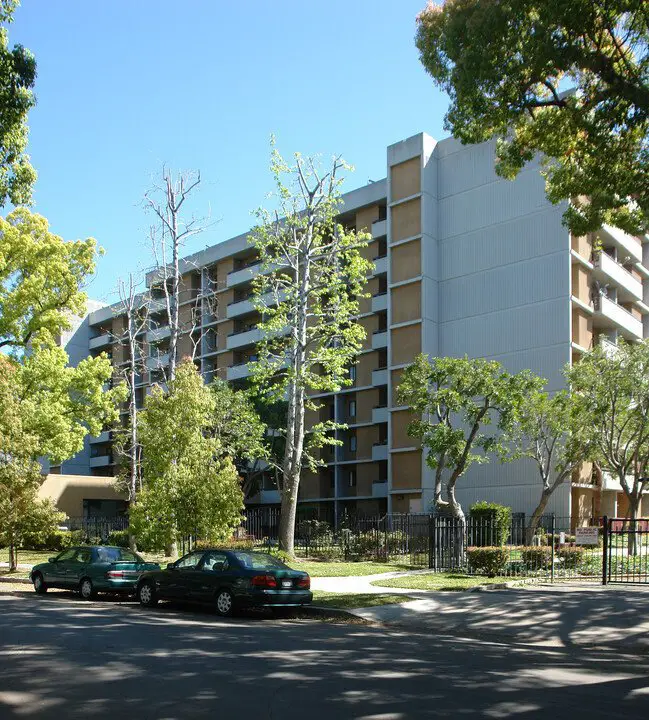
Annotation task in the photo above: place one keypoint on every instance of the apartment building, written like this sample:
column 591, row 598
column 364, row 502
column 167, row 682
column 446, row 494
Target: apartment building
column 464, row 263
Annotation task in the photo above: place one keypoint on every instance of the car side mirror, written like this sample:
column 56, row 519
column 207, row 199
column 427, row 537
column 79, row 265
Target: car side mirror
column 171, row 566
column 52, row 559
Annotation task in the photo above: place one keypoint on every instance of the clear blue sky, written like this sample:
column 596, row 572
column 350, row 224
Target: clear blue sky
column 124, row 86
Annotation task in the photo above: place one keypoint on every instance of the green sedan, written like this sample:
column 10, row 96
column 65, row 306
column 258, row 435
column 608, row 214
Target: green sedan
column 91, row 569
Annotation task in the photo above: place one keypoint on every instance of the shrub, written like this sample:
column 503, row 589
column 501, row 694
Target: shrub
column 333, row 552
column 487, row 560
column 118, row 538
column 232, row 544
column 314, row 529
column 490, row 523
column 572, row 556
column 536, row 557
column 56, row 541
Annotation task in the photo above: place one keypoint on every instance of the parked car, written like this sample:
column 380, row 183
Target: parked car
column 91, row 569
column 228, row 580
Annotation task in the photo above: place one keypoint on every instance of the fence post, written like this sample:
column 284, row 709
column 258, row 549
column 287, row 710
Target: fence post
column 552, row 551
column 431, row 541
column 605, row 551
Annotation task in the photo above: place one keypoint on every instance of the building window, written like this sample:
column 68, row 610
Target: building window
column 352, row 443
column 352, row 408
column 352, row 373
column 352, row 478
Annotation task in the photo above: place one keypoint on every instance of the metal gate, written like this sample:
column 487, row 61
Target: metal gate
column 625, row 552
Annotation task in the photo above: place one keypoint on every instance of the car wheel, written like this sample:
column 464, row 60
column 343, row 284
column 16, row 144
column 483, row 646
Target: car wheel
column 146, row 594
column 224, row 603
column 86, row 590
column 39, row 584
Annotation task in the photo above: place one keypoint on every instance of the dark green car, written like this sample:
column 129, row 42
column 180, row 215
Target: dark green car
column 227, row 580
column 91, row 569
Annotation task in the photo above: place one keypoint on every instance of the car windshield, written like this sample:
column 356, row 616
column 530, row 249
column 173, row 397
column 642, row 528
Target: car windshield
column 258, row 561
column 114, row 554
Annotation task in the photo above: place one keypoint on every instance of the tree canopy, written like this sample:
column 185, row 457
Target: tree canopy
column 567, row 78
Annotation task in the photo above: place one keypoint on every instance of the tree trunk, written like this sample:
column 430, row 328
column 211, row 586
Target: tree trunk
column 459, row 526
column 171, row 550
column 530, row 531
column 634, row 514
column 13, row 557
column 287, row 515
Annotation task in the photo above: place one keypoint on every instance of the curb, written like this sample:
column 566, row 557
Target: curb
column 14, row 581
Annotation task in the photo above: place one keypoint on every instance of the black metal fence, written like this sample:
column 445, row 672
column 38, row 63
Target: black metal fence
column 626, row 551
column 95, row 528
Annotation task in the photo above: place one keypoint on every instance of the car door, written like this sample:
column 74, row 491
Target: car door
column 78, row 567
column 56, row 572
column 213, row 572
column 179, row 577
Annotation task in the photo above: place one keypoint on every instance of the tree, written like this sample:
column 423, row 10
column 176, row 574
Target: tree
column 454, row 401
column 191, row 486
column 21, row 512
column 310, row 278
column 41, row 279
column 612, row 405
column 168, row 202
column 17, row 77
column 506, row 65
column 548, row 432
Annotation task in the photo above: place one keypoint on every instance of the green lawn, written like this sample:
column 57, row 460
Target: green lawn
column 4, row 572
column 316, row 568
column 439, row 581
column 348, row 601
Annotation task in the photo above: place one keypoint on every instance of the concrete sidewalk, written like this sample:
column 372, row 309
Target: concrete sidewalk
column 587, row 615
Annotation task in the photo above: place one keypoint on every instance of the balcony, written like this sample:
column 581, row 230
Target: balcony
column 625, row 243
column 379, row 339
column 101, row 461
column 379, row 451
column 379, row 228
column 380, row 376
column 609, row 314
column 237, row 277
column 380, row 489
column 237, row 372
column 608, row 270
column 156, row 362
column 101, row 341
column 101, row 438
column 158, row 334
column 241, row 339
column 242, row 307
column 380, row 302
column 380, row 414
column 380, row 265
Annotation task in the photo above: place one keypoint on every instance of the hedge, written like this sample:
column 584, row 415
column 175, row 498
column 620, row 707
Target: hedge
column 490, row 523
column 490, row 561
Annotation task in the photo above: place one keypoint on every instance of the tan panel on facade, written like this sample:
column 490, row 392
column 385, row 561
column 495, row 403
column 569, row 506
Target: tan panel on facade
column 581, row 283
column 406, row 470
column 396, row 379
column 224, row 330
column 406, row 261
column 406, row 219
column 369, row 508
column 406, row 303
column 406, row 344
column 405, row 179
column 366, row 363
column 631, row 308
column 365, row 303
column 400, row 437
column 582, row 328
column 370, row 324
column 581, row 245
column 366, row 475
column 68, row 492
column 365, row 439
column 365, row 217
column 309, row 485
column 185, row 347
column 366, row 400
column 406, row 503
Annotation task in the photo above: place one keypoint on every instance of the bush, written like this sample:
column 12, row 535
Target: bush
column 490, row 523
column 55, row 541
column 313, row 529
column 232, row 544
column 487, row 560
column 572, row 556
column 536, row 557
column 118, row 538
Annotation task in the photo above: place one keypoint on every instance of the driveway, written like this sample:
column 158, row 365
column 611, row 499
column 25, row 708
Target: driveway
column 62, row 658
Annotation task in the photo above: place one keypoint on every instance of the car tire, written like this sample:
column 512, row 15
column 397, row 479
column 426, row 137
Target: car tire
column 86, row 589
column 224, row 603
column 39, row 584
column 146, row 595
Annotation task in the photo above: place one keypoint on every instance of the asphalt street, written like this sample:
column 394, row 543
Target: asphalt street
column 63, row 658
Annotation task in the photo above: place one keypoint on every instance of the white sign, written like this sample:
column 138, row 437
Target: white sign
column 587, row 535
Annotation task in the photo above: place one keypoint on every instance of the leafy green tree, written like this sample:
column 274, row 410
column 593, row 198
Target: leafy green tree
column 21, row 511
column 17, row 77
column 549, row 432
column 612, row 405
column 455, row 402
column 506, row 65
column 311, row 276
column 191, row 485
column 41, row 279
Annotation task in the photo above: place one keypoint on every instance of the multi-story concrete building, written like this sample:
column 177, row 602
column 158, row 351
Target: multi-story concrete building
column 464, row 263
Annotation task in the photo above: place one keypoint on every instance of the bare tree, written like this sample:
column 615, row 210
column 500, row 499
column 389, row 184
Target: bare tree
column 167, row 200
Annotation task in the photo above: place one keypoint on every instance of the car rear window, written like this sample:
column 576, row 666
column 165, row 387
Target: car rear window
column 111, row 554
column 258, row 560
